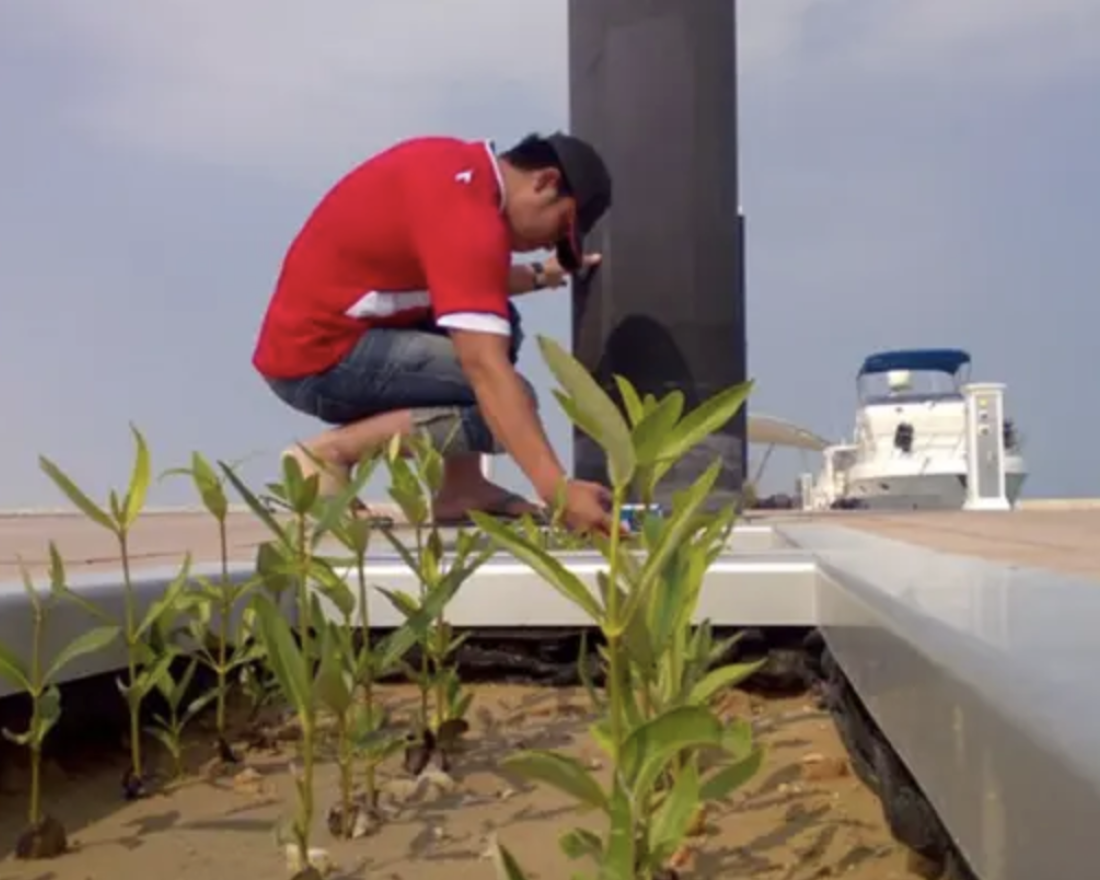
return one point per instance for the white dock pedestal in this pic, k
(985, 447)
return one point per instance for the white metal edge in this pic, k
(740, 589)
(981, 676)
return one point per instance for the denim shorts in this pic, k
(392, 369)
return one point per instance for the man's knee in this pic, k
(457, 430)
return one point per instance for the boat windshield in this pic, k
(911, 375)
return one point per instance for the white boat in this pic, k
(909, 447)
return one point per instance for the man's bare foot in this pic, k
(334, 476)
(485, 498)
(334, 479)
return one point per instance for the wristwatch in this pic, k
(539, 271)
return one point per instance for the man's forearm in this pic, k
(512, 418)
(521, 279)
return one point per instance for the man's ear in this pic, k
(547, 178)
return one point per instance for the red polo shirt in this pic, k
(417, 230)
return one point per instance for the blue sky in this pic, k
(914, 173)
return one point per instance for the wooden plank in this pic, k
(1062, 540)
(157, 540)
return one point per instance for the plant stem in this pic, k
(35, 810)
(131, 657)
(305, 819)
(223, 630)
(440, 658)
(615, 696)
(425, 645)
(345, 775)
(368, 668)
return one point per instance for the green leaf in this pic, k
(85, 504)
(650, 746)
(283, 654)
(168, 739)
(576, 415)
(579, 843)
(635, 411)
(334, 516)
(406, 555)
(330, 685)
(254, 503)
(407, 493)
(333, 587)
(273, 569)
(670, 824)
(57, 570)
(545, 565)
(731, 777)
(584, 673)
(166, 606)
(29, 588)
(12, 668)
(651, 434)
(600, 732)
(619, 861)
(301, 491)
(209, 487)
(89, 642)
(507, 868)
(737, 738)
(700, 423)
(564, 773)
(49, 712)
(723, 677)
(153, 674)
(597, 409)
(674, 532)
(140, 478)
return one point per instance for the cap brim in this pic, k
(570, 248)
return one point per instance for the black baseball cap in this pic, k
(588, 181)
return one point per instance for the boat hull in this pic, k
(942, 490)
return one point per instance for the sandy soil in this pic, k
(805, 816)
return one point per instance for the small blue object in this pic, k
(632, 516)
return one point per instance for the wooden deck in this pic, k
(1066, 540)
(157, 540)
(1062, 540)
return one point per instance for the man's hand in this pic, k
(554, 275)
(587, 507)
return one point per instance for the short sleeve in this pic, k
(466, 256)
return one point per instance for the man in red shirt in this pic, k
(392, 312)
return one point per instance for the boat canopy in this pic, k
(937, 360)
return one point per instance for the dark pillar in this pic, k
(653, 84)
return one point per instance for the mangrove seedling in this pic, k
(291, 556)
(369, 661)
(144, 665)
(169, 730)
(413, 488)
(649, 740)
(44, 836)
(291, 567)
(222, 647)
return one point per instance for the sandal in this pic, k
(499, 510)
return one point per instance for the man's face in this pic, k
(538, 215)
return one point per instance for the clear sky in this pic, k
(914, 173)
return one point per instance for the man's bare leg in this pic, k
(464, 486)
